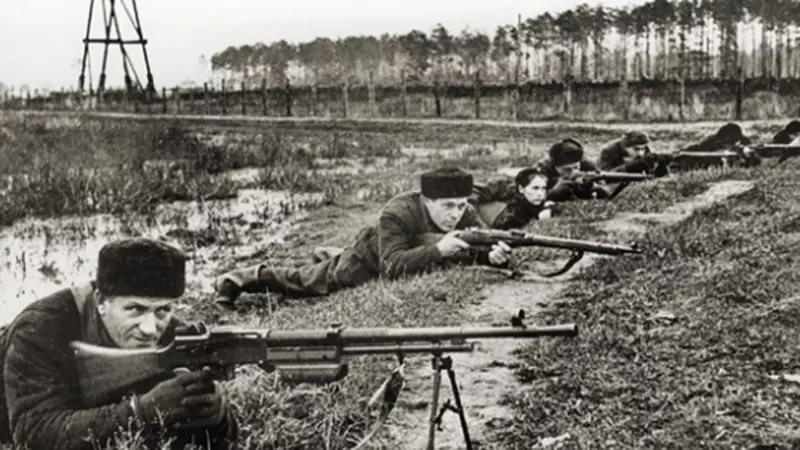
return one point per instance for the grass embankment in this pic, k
(676, 345)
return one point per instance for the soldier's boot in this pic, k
(319, 254)
(230, 285)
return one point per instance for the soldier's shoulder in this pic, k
(56, 308)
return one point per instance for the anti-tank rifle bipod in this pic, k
(311, 355)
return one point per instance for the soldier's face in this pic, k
(446, 212)
(535, 191)
(639, 150)
(568, 169)
(136, 322)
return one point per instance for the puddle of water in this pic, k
(40, 256)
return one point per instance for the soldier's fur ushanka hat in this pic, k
(142, 268)
(446, 182)
(568, 151)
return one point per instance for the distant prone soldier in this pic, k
(416, 232)
(632, 153)
(563, 166)
(130, 305)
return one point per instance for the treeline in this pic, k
(662, 39)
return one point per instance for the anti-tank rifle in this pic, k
(311, 355)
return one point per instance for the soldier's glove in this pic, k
(165, 403)
(231, 284)
(208, 410)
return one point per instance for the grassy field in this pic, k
(726, 275)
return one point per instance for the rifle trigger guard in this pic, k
(573, 259)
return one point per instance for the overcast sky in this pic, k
(41, 42)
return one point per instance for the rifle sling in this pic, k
(388, 393)
(573, 259)
(618, 189)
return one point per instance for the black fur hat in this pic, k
(141, 267)
(525, 176)
(568, 151)
(633, 138)
(446, 182)
(730, 132)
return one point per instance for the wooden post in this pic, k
(314, 99)
(243, 98)
(222, 99)
(371, 94)
(624, 98)
(344, 98)
(205, 97)
(739, 96)
(477, 93)
(263, 96)
(404, 93)
(681, 98)
(436, 100)
(288, 98)
(567, 95)
(177, 94)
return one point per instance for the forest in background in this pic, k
(658, 40)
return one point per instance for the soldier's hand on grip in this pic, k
(451, 245)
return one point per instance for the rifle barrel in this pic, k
(347, 336)
(622, 176)
(573, 244)
(706, 155)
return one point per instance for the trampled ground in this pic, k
(676, 346)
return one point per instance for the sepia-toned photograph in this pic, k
(379, 225)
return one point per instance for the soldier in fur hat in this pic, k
(566, 159)
(631, 153)
(505, 203)
(129, 305)
(416, 232)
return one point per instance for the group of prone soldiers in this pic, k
(139, 282)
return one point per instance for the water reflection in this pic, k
(42, 256)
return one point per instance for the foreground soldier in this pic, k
(128, 306)
(505, 203)
(631, 153)
(564, 159)
(395, 247)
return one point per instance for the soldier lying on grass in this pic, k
(566, 159)
(397, 246)
(729, 137)
(789, 134)
(631, 153)
(128, 306)
(503, 203)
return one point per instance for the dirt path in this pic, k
(487, 375)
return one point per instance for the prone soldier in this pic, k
(564, 160)
(129, 305)
(505, 203)
(788, 134)
(399, 245)
(631, 153)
